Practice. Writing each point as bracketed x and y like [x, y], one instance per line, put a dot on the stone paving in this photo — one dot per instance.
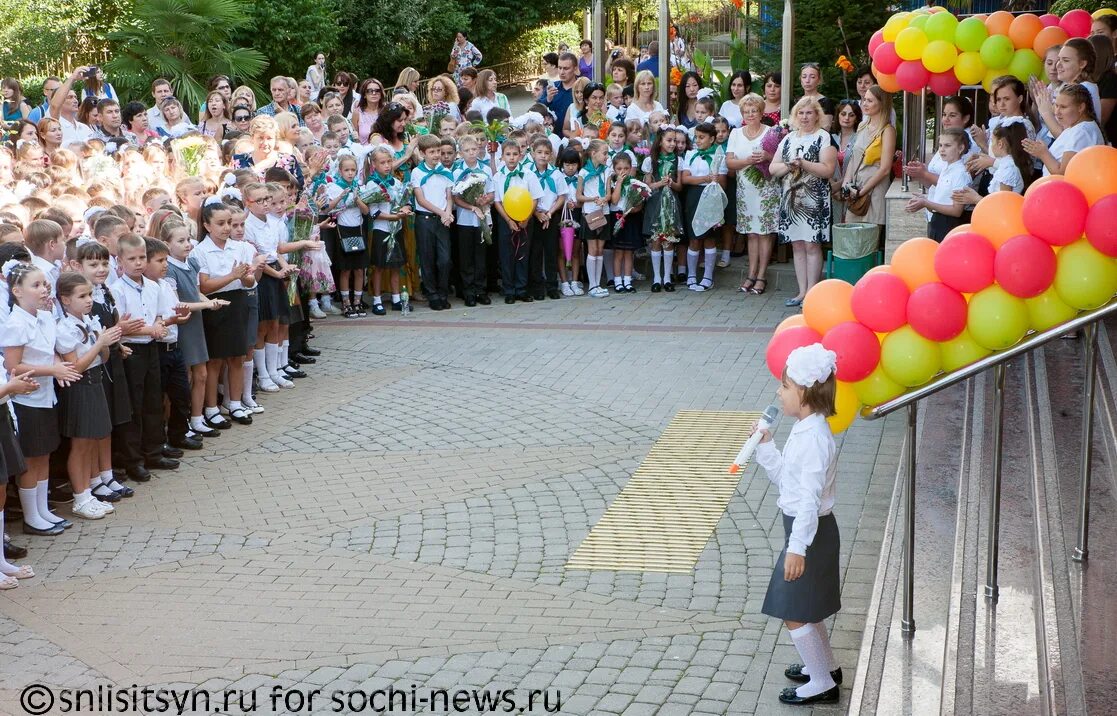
[402, 519]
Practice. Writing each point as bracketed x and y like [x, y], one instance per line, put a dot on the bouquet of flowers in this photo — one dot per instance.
[471, 189]
[768, 144]
[642, 149]
[314, 264]
[495, 132]
[668, 224]
[603, 129]
[399, 195]
[332, 191]
[434, 113]
[372, 193]
[710, 213]
[188, 153]
[634, 193]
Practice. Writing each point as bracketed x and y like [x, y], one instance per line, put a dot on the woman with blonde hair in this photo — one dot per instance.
[266, 152]
[485, 96]
[758, 196]
[244, 95]
[443, 89]
[409, 80]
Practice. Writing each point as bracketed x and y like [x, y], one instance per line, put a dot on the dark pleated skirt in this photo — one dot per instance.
[355, 260]
[38, 430]
[585, 233]
[252, 316]
[628, 236]
[115, 387]
[83, 409]
[818, 593]
[226, 336]
[271, 294]
[383, 255]
[11, 456]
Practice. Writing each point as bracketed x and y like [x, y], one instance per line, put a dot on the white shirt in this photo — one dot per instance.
[155, 120]
[466, 217]
[634, 112]
[142, 300]
[434, 184]
[1081, 136]
[616, 114]
[699, 167]
[215, 262]
[74, 132]
[37, 335]
[168, 299]
[953, 176]
[731, 112]
[804, 474]
[502, 182]
[71, 337]
[593, 188]
[548, 197]
[265, 235]
[1007, 173]
[937, 164]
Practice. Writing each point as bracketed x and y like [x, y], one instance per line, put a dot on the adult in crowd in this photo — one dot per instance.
[810, 77]
[651, 64]
[50, 86]
[773, 98]
[282, 99]
[1106, 79]
[160, 90]
[847, 120]
[804, 162]
[868, 167]
[95, 86]
[241, 118]
[88, 113]
[303, 93]
[409, 80]
[345, 83]
[585, 61]
[758, 195]
[1105, 26]
[217, 83]
[691, 83]
[316, 76]
[550, 66]
[265, 153]
[957, 113]
[15, 104]
[740, 84]
[50, 134]
[644, 102]
[110, 128]
[462, 55]
[623, 72]
[134, 117]
[1009, 99]
[560, 95]
[216, 119]
[64, 108]
[1073, 111]
[175, 122]
[368, 108]
[314, 121]
[485, 96]
[442, 89]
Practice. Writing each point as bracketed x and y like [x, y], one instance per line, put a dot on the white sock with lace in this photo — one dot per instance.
[831, 662]
[271, 360]
[246, 393]
[708, 269]
[811, 648]
[657, 257]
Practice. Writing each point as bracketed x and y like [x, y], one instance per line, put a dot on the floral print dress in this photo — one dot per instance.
[805, 201]
[758, 195]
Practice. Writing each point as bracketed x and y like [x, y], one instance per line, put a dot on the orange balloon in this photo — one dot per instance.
[999, 22]
[790, 322]
[888, 83]
[1023, 30]
[1094, 171]
[999, 216]
[1043, 180]
[827, 304]
[982, 16]
[958, 230]
[914, 262]
[884, 268]
[1047, 38]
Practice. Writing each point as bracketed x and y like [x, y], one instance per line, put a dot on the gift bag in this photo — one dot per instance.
[710, 213]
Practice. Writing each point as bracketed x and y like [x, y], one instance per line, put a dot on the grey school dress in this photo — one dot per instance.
[191, 335]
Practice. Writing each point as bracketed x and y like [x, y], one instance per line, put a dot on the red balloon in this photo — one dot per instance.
[937, 312]
[880, 301]
[858, 350]
[1077, 23]
[787, 340]
[944, 84]
[1101, 229]
[965, 262]
[912, 75]
[878, 39]
[1025, 266]
[1049, 20]
[885, 58]
[1056, 212]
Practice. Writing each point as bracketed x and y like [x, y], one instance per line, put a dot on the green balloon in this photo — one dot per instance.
[877, 388]
[969, 34]
[908, 358]
[997, 319]
[1026, 64]
[941, 26]
[1047, 310]
[997, 52]
[1085, 278]
[960, 351]
[919, 21]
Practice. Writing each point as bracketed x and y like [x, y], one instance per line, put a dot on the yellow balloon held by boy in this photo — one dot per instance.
[517, 202]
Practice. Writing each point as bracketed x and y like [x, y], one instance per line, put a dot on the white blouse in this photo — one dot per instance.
[1007, 173]
[732, 113]
[634, 112]
[1081, 136]
[216, 262]
[804, 473]
[37, 335]
[72, 337]
[952, 177]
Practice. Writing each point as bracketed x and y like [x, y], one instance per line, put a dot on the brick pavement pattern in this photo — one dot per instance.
[402, 519]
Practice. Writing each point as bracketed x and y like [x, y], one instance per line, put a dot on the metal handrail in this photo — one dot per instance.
[1028, 343]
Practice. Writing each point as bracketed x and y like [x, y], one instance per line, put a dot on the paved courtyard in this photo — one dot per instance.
[402, 519]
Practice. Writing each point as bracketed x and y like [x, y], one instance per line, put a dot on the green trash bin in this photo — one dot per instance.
[856, 249]
[851, 270]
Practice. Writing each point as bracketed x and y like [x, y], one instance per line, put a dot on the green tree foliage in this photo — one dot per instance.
[383, 36]
[1062, 7]
[290, 32]
[37, 36]
[185, 41]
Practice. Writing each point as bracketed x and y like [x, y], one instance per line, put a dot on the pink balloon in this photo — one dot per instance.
[1077, 23]
[912, 76]
[787, 340]
[880, 301]
[1025, 266]
[1101, 229]
[964, 262]
[858, 350]
[878, 39]
[944, 84]
[1056, 212]
[1049, 20]
[885, 58]
[937, 312]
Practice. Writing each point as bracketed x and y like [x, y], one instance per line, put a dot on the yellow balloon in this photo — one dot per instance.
[910, 43]
[895, 24]
[1103, 11]
[969, 68]
[939, 56]
[846, 405]
[517, 202]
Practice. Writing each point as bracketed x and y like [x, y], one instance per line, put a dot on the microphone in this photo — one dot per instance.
[769, 418]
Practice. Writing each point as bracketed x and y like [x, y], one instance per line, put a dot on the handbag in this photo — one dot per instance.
[594, 219]
[860, 205]
[353, 244]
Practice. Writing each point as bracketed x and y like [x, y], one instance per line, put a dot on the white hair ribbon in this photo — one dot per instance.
[811, 364]
[8, 266]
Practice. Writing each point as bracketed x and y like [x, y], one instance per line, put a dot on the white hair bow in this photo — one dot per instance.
[229, 179]
[230, 192]
[524, 119]
[811, 364]
[1009, 121]
[91, 212]
[705, 92]
[212, 200]
[8, 266]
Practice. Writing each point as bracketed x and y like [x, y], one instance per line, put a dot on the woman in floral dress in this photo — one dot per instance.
[758, 195]
[264, 155]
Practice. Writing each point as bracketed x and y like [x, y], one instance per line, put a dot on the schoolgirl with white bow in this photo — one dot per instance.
[805, 587]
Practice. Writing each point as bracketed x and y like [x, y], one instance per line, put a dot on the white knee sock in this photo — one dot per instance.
[246, 393]
[283, 347]
[708, 269]
[271, 359]
[28, 499]
[811, 648]
[657, 256]
[608, 257]
[259, 362]
[593, 271]
[41, 500]
[668, 261]
[725, 255]
[691, 265]
[831, 662]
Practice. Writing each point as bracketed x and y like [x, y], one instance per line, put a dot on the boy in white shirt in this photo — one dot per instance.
[432, 183]
[471, 249]
[514, 237]
[543, 260]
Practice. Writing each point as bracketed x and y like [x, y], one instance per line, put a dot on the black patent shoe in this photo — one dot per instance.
[789, 696]
[49, 532]
[13, 552]
[669, 287]
[795, 673]
[657, 287]
[308, 351]
[377, 310]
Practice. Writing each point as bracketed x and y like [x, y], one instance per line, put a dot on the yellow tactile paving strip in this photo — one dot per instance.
[663, 518]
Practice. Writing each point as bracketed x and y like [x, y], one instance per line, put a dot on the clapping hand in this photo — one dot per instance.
[20, 384]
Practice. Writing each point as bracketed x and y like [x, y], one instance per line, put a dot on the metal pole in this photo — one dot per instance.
[907, 623]
[921, 128]
[664, 56]
[938, 122]
[905, 137]
[787, 57]
[1081, 552]
[992, 591]
[598, 40]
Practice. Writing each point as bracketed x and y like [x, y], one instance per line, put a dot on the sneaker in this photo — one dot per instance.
[91, 510]
[316, 311]
[109, 509]
[598, 292]
[579, 289]
[567, 289]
